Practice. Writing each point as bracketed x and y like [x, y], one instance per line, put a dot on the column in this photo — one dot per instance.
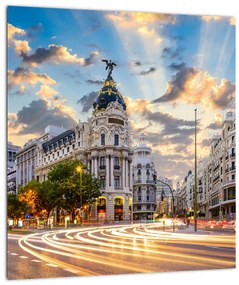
[123, 172]
[107, 171]
[130, 176]
[127, 173]
[112, 170]
[96, 168]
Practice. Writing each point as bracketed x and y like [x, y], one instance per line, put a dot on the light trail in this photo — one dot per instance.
[129, 248]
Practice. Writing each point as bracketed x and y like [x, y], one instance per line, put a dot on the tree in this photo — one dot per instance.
[29, 195]
[75, 185]
[15, 208]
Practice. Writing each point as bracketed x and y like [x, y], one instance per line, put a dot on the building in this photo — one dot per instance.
[164, 196]
[101, 143]
[216, 176]
[27, 157]
[144, 180]
[12, 150]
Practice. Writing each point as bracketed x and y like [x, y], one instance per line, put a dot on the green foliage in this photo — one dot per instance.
[15, 208]
[69, 185]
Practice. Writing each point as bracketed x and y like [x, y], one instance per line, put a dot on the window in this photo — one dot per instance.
[116, 160]
[139, 198]
[102, 162]
[117, 181]
[139, 207]
[147, 198]
[102, 181]
[148, 207]
[116, 139]
[68, 149]
[139, 190]
[102, 139]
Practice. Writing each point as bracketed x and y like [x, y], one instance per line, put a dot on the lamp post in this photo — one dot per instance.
[195, 176]
[171, 193]
[79, 169]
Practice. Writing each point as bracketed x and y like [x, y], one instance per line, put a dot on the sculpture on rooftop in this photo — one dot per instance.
[109, 65]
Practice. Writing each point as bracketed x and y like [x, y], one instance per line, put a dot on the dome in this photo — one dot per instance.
[108, 94]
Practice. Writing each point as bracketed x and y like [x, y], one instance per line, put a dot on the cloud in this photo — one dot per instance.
[12, 31]
[22, 76]
[87, 101]
[231, 20]
[194, 86]
[176, 66]
[145, 24]
[33, 119]
[46, 92]
[57, 54]
[96, 82]
[21, 91]
[171, 53]
[215, 126]
[146, 72]
[20, 46]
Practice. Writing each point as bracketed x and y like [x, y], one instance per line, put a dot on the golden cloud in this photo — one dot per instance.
[231, 20]
[46, 92]
[21, 47]
[12, 31]
[22, 76]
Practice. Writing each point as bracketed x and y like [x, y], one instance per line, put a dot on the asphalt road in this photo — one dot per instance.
[116, 249]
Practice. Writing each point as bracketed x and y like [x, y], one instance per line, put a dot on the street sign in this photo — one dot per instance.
[28, 216]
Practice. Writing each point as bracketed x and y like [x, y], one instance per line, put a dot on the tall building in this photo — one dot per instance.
[216, 176]
[12, 150]
[27, 157]
[164, 196]
[102, 144]
[144, 179]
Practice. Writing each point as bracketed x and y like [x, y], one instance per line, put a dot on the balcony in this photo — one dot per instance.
[116, 167]
[150, 181]
[102, 167]
[139, 181]
[232, 155]
[232, 168]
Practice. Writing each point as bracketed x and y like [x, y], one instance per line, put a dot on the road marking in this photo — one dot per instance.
[52, 265]
[71, 270]
[13, 253]
[36, 260]
[22, 256]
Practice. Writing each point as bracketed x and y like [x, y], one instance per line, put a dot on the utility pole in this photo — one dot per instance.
[195, 176]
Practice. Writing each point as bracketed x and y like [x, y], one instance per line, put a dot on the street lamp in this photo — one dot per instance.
[171, 193]
[79, 169]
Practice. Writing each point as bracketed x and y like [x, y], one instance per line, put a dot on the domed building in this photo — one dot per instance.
[109, 154]
[102, 144]
[144, 182]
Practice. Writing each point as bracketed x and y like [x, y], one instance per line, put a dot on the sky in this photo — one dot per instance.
[167, 66]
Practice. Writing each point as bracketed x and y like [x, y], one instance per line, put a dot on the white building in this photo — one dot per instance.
[144, 180]
[12, 150]
[102, 144]
[164, 196]
[27, 157]
[216, 176]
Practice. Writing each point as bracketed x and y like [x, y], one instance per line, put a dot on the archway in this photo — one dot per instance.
[101, 209]
[118, 208]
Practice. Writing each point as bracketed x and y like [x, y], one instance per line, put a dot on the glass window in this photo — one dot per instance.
[116, 139]
[102, 161]
[116, 160]
[117, 181]
[102, 139]
[102, 181]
